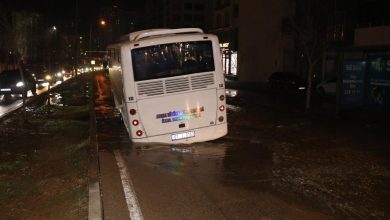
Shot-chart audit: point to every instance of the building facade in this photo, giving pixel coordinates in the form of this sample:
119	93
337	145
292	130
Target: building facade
254	31
257	37
226	26
178	13
356	29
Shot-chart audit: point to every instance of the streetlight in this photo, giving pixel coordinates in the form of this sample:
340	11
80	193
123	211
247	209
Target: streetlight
53	31
104	38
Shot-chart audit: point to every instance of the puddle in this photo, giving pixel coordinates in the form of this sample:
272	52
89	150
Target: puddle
180	150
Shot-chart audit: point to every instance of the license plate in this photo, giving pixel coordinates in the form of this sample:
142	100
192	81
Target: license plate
5	90
182	135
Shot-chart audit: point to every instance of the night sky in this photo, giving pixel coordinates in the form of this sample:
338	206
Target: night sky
57	11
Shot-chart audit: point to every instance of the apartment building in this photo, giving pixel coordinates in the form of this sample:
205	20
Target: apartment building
254	31
225	25
178	13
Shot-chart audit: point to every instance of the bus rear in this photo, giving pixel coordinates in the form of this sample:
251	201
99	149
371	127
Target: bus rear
174	87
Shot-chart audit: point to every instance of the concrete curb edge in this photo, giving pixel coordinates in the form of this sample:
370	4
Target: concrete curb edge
95	211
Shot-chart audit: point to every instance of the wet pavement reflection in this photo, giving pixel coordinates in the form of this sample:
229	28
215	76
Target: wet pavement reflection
182	159
215	166
275	163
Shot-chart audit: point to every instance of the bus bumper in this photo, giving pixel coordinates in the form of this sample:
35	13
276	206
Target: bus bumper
201	135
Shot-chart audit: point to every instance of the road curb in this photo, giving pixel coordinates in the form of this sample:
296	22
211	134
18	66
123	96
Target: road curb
95	211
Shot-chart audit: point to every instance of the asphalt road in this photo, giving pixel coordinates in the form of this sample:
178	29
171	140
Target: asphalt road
9	104
275	163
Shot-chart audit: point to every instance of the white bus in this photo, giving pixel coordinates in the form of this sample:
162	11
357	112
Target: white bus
168	85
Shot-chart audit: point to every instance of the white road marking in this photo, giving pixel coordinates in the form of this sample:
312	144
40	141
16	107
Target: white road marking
131	198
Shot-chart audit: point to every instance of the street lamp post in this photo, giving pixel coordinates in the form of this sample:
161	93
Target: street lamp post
103	33
52	31
77	35
90	36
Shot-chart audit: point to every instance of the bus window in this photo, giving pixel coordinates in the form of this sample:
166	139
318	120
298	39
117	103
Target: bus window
168	60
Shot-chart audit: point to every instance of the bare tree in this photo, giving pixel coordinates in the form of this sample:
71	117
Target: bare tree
309	25
6	31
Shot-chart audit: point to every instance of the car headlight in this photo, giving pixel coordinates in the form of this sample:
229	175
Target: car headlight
59	74
19	84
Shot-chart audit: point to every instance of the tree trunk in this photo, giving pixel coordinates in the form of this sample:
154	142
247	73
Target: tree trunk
309	85
24	94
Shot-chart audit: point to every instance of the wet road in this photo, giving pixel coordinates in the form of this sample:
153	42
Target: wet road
9	104
199	181
275	163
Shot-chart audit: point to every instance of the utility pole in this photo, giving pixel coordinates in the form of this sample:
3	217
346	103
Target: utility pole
90	36
77	36
24	93
90	40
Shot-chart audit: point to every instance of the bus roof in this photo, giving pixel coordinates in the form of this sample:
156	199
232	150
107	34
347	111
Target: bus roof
139	35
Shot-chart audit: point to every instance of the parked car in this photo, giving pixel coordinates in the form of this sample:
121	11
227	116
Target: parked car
287	81
11	82
327	87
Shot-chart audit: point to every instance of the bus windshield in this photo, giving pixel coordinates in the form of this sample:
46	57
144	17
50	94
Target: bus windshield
167	60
